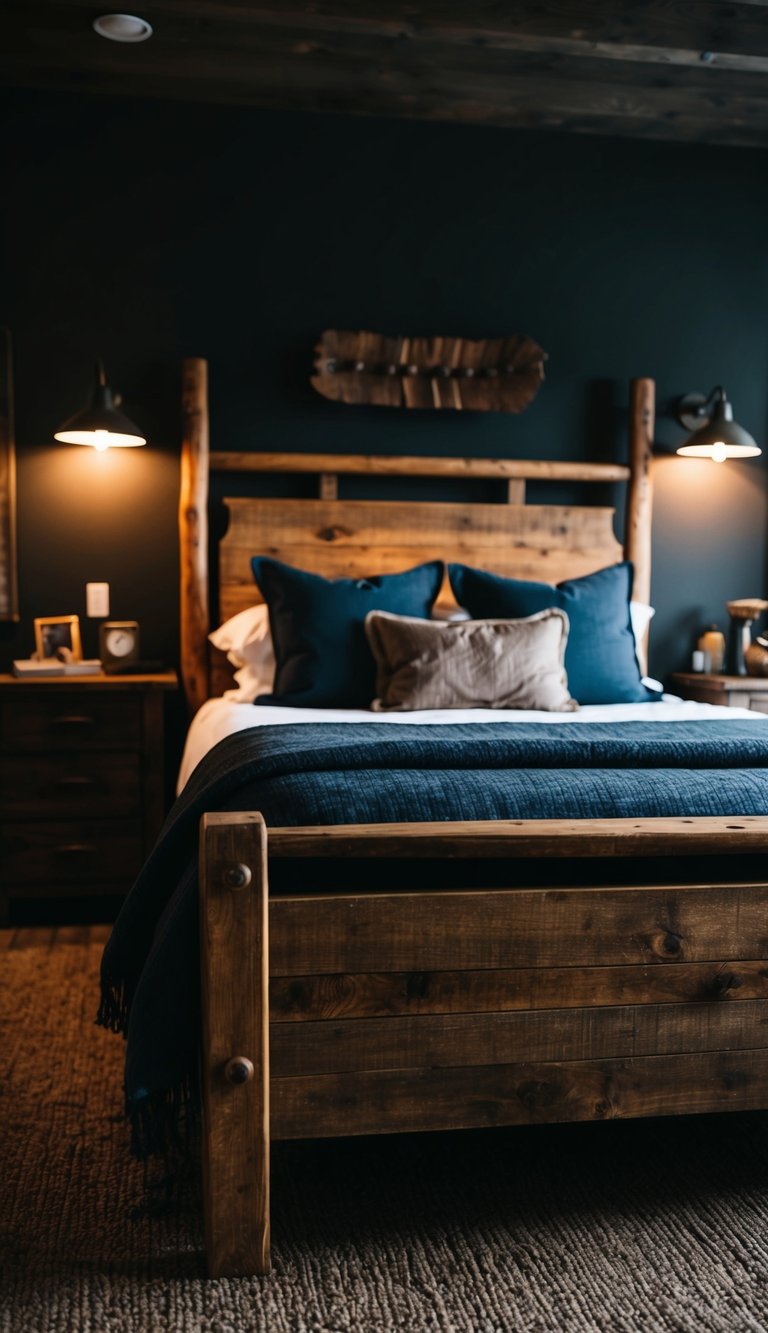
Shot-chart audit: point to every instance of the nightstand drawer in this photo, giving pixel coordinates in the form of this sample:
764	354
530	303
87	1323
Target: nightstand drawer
58	786
63	720
81	784
77	852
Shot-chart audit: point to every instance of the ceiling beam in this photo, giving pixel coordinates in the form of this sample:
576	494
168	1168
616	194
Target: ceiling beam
694	73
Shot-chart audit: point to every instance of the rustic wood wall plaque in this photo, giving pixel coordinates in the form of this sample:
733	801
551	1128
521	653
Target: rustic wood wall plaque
9	609
493	375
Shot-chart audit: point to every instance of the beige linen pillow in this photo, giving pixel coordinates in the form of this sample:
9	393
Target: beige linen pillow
470	663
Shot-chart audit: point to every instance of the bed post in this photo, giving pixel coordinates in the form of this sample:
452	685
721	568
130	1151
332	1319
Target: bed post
637	535
234	958
193	532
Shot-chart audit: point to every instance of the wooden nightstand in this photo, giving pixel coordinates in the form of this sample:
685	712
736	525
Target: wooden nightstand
81	782
731	691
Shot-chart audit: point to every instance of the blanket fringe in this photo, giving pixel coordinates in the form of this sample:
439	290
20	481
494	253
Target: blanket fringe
115	1006
164	1123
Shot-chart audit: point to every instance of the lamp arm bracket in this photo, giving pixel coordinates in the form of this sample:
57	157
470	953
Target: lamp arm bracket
694	410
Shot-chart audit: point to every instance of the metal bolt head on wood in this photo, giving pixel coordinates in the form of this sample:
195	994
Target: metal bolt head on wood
238	876
239	1070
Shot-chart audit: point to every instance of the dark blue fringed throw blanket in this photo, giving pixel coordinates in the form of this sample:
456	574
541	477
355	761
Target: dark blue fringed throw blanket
369	773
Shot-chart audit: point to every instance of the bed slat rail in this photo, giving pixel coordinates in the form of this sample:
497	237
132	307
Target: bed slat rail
543	1092
534	837
478	929
368	465
393	994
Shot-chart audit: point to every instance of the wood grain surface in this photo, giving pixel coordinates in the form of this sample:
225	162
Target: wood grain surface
405	1101
294	999
193	532
443	1041
637	538
234	961
498	928
384	465
490	375
664	835
354	539
688	73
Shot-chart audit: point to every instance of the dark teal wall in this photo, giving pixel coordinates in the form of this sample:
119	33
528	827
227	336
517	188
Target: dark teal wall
145	232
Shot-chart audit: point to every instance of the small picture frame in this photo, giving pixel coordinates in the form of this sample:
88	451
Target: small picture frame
58	635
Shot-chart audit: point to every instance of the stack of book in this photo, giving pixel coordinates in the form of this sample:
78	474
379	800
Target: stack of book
51	666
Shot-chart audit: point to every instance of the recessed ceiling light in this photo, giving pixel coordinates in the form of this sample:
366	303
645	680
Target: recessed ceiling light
123	27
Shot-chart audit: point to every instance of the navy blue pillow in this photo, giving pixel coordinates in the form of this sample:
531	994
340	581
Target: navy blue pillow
318	629
600	655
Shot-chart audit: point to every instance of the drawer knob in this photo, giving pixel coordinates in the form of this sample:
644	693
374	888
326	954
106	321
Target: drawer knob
75	780
76	849
238	1070
725	982
74	720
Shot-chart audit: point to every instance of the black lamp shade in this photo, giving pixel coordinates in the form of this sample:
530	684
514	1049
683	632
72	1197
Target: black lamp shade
101	425
719	437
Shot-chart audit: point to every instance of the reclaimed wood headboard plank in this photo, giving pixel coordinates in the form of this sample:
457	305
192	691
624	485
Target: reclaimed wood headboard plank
354	539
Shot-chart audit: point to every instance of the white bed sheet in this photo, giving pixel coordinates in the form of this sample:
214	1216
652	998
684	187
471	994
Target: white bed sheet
219	718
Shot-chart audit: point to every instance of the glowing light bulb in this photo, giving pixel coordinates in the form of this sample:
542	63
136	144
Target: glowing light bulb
719	452
101	442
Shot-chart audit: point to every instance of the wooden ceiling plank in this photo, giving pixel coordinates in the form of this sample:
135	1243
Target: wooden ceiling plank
562	82
392	66
649	32
179	37
744	125
708	25
488	78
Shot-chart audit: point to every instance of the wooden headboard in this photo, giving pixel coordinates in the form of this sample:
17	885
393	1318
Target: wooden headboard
353	538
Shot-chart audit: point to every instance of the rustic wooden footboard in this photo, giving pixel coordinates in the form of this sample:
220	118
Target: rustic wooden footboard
362	1013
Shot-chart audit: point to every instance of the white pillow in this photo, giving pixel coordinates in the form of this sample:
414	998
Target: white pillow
640	616
247	641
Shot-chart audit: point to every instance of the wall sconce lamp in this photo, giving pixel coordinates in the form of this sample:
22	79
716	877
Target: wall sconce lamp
715	434
101	424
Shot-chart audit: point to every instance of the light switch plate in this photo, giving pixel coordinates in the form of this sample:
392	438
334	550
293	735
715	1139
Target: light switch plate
97	600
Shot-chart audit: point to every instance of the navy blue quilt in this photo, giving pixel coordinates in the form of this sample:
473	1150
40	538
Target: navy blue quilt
369	773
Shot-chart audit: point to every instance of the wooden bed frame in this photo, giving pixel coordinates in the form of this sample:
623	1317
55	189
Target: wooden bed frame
339	1013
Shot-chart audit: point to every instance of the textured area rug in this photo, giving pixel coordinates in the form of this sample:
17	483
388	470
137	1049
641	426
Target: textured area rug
632	1227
